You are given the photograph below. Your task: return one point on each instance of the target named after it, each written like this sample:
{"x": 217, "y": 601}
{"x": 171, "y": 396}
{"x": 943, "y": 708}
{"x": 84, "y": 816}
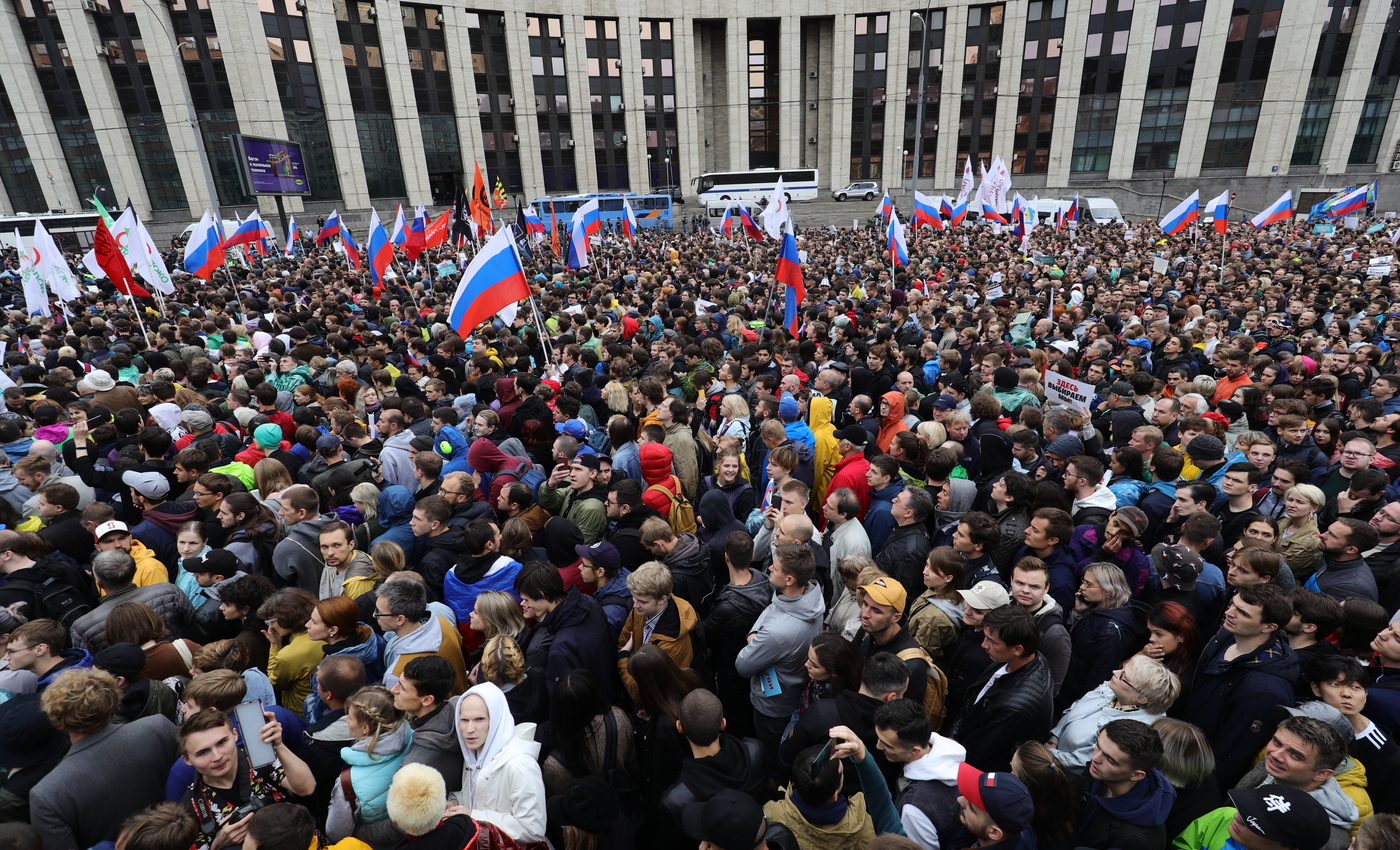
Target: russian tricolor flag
{"x": 330, "y": 229}
{"x": 989, "y": 213}
{"x": 750, "y": 227}
{"x": 898, "y": 248}
{"x": 204, "y": 252}
{"x": 886, "y": 206}
{"x": 726, "y": 225}
{"x": 1280, "y": 210}
{"x": 493, "y": 285}
{"x": 789, "y": 274}
{"x": 1352, "y": 202}
{"x": 352, "y": 251}
{"x": 629, "y": 222}
{"x": 1072, "y": 214}
{"x": 1220, "y": 211}
{"x": 250, "y": 230}
{"x": 533, "y": 222}
{"x": 926, "y": 212}
{"x": 945, "y": 206}
{"x": 293, "y": 236}
{"x": 400, "y": 233}
{"x": 959, "y": 211}
{"x": 586, "y": 223}
{"x": 1186, "y": 212}
{"x": 381, "y": 249}
{"x": 416, "y": 239}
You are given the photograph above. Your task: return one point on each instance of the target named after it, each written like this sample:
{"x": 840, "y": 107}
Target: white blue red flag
{"x": 1278, "y": 211}
{"x": 380, "y": 248}
{"x": 1185, "y": 212}
{"x": 330, "y": 229}
{"x": 204, "y": 252}
{"x": 493, "y": 285}
{"x": 789, "y": 274}
{"x": 898, "y": 248}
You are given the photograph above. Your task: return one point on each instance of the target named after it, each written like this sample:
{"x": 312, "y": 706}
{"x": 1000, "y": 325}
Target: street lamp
{"x": 919, "y": 110}
{"x": 198, "y": 136}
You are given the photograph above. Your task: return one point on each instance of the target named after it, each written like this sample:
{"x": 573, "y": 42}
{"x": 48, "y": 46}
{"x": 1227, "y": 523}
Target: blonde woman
{"x": 1142, "y": 689}
{"x": 503, "y": 665}
{"x": 932, "y": 433}
{"x": 497, "y": 614}
{"x": 365, "y": 497}
{"x": 736, "y": 417}
{"x": 1297, "y": 530}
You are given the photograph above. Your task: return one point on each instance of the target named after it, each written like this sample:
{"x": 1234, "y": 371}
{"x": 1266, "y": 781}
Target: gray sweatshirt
{"x": 774, "y": 660}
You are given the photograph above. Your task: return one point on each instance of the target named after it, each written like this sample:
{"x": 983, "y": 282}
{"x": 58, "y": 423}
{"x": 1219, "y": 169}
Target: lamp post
{"x": 199, "y": 136}
{"x": 919, "y": 110}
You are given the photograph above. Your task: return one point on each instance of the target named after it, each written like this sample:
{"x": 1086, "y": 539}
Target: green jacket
{"x": 1208, "y": 832}
{"x": 587, "y": 510}
{"x": 289, "y": 381}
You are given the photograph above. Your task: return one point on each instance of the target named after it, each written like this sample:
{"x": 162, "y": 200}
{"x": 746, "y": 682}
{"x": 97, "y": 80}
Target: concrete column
{"x": 522, "y": 83}
{"x": 464, "y": 106}
{"x": 692, "y": 129}
{"x": 580, "y": 114}
{"x": 790, "y": 83}
{"x": 32, "y": 116}
{"x": 407, "y": 128}
{"x": 340, "y": 115}
{"x": 1067, "y": 105}
{"x": 843, "y": 41}
{"x": 108, "y": 121}
{"x": 736, "y": 51}
{"x": 1125, "y": 132}
{"x": 254, "y": 89}
{"x": 945, "y": 174}
{"x": 896, "y": 85}
{"x": 1356, "y": 79}
{"x": 1300, "y": 27}
{"x": 1214, "y": 29}
{"x": 634, "y": 117}
{"x": 1013, "y": 48}
{"x": 168, "y": 71}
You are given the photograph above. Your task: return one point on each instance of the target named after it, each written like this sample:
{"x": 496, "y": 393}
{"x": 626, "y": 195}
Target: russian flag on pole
{"x": 493, "y": 284}
{"x": 330, "y": 229}
{"x": 417, "y": 238}
{"x": 1349, "y": 204}
{"x": 1186, "y": 212}
{"x": 251, "y": 230}
{"x": 726, "y": 225}
{"x": 959, "y": 211}
{"x": 926, "y": 212}
{"x": 293, "y": 236}
{"x": 1018, "y": 221}
{"x": 1280, "y": 210}
{"x": 750, "y": 226}
{"x": 204, "y": 251}
{"x": 400, "y": 232}
{"x": 629, "y": 222}
{"x": 895, "y": 244}
{"x": 989, "y": 213}
{"x": 586, "y": 222}
{"x": 945, "y": 206}
{"x": 1073, "y": 213}
{"x": 351, "y": 249}
{"x": 1220, "y": 211}
{"x": 789, "y": 274}
{"x": 381, "y": 249}
{"x": 886, "y": 206}
{"x": 534, "y": 224}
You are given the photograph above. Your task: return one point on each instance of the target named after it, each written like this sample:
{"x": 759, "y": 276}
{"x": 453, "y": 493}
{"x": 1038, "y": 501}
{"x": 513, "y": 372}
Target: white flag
{"x": 984, "y": 190}
{"x": 966, "y": 189}
{"x": 36, "y": 299}
{"x": 51, "y": 265}
{"x": 776, "y": 213}
{"x": 1001, "y": 181}
{"x": 151, "y": 267}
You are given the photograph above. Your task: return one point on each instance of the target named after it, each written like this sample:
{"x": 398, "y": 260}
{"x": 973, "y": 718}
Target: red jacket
{"x": 850, "y": 473}
{"x": 655, "y": 460}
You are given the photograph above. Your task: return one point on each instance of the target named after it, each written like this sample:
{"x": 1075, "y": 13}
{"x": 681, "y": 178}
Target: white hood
{"x": 1102, "y": 497}
{"x": 940, "y": 763}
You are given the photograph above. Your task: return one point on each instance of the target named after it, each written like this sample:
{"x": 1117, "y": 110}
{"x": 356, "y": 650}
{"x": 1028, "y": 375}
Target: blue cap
{"x": 576, "y": 428}
{"x": 1141, "y": 342}
{"x": 787, "y": 407}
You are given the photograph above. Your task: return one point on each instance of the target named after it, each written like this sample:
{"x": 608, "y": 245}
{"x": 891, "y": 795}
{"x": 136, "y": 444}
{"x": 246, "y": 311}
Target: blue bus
{"x": 650, "y": 210}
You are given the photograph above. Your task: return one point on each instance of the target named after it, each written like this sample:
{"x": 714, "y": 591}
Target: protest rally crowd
{"x": 1093, "y": 542}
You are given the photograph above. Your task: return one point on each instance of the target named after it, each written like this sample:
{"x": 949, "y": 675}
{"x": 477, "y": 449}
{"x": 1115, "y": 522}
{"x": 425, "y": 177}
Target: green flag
{"x": 106, "y": 216}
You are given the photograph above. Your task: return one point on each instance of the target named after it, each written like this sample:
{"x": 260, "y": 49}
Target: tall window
{"x": 17, "y": 170}
{"x": 491, "y": 69}
{"x": 1244, "y": 71}
{"x": 432, "y": 88}
{"x": 202, "y": 57}
{"x": 360, "y": 50}
{"x": 1328, "y": 65}
{"x": 868, "y": 96}
{"x": 1169, "y": 75}
{"x": 556, "y": 132}
{"x": 53, "y": 65}
{"x": 1105, "y": 56}
{"x": 763, "y": 94}
{"x": 933, "y": 86}
{"x": 1040, "y": 85}
{"x": 659, "y": 101}
{"x": 981, "y": 67}
{"x": 294, "y": 71}
{"x": 605, "y": 102}
{"x": 1375, "y": 111}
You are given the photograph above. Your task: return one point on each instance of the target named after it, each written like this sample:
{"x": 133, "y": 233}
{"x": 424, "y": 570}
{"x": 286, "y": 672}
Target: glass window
{"x": 1237, "y": 27}
{"x": 439, "y": 60}
{"x": 970, "y": 58}
{"x": 879, "y": 62}
{"x": 557, "y": 64}
{"x": 537, "y": 66}
{"x": 998, "y": 14}
{"x": 882, "y": 24}
{"x": 861, "y": 22}
{"x": 1268, "y": 27}
{"x": 1120, "y": 42}
{"x": 347, "y": 52}
{"x": 373, "y": 58}
{"x": 532, "y": 25}
{"x": 594, "y": 69}
{"x": 1093, "y": 44}
{"x": 610, "y": 28}
{"x": 554, "y": 29}
{"x": 664, "y": 30}
{"x": 667, "y": 68}
{"x": 1032, "y": 48}
{"x": 1035, "y": 10}
{"x": 1163, "y": 38}
{"x": 302, "y": 48}
{"x": 274, "y": 47}
{"x": 590, "y": 28}
{"x": 646, "y": 30}
{"x": 1052, "y": 47}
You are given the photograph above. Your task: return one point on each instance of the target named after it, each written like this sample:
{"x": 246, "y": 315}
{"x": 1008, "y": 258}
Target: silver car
{"x": 866, "y": 189}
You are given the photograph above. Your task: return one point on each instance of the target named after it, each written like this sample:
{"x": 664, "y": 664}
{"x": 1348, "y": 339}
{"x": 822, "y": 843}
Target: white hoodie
{"x": 939, "y": 764}
{"x": 501, "y": 782}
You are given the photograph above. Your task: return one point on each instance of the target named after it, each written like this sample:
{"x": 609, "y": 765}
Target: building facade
{"x": 394, "y": 101}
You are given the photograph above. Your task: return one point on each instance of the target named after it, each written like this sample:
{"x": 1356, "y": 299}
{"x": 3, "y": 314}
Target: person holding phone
{"x": 229, "y": 787}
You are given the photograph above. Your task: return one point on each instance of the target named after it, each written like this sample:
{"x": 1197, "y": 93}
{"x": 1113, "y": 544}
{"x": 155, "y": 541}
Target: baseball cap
{"x": 601, "y": 554}
{"x": 589, "y": 461}
{"x": 1133, "y": 518}
{"x": 886, "y": 591}
{"x": 855, "y": 435}
{"x": 152, "y": 485}
{"x": 1283, "y": 814}
{"x": 945, "y": 402}
{"x": 327, "y": 442}
{"x": 576, "y": 428}
{"x": 787, "y": 407}
{"x": 1122, "y": 389}
{"x": 1000, "y": 794}
{"x": 108, "y": 527}
{"x": 1177, "y": 565}
{"x": 729, "y": 820}
{"x": 986, "y": 595}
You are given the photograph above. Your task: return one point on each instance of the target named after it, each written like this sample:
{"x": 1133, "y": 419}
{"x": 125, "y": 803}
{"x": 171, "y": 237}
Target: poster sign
{"x": 995, "y": 291}
{"x": 1379, "y": 266}
{"x": 1068, "y": 392}
{"x": 447, "y": 267}
{"x": 1324, "y": 228}
{"x": 1375, "y": 228}
{"x": 1159, "y": 265}
{"x": 271, "y": 166}
{"x": 1352, "y": 222}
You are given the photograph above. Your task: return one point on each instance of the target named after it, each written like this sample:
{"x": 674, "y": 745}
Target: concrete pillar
{"x": 736, "y": 52}
{"x": 1214, "y": 29}
{"x": 896, "y": 85}
{"x": 1013, "y": 48}
{"x": 1067, "y": 105}
{"x": 33, "y": 117}
{"x": 946, "y": 177}
{"x": 168, "y": 72}
{"x": 1125, "y": 133}
{"x": 464, "y": 106}
{"x": 1356, "y": 79}
{"x": 790, "y": 83}
{"x": 1300, "y": 27}
{"x": 340, "y": 115}
{"x": 692, "y": 128}
{"x": 842, "y": 61}
{"x": 407, "y": 128}
{"x": 522, "y": 83}
{"x": 254, "y": 89}
{"x": 108, "y": 121}
{"x": 634, "y": 115}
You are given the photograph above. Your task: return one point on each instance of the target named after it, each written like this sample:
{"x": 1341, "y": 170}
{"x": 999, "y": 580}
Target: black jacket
{"x": 730, "y": 620}
{"x": 442, "y": 555}
{"x": 626, "y": 536}
{"x": 903, "y": 557}
{"x": 68, "y": 536}
{"x": 575, "y": 634}
{"x": 1100, "y": 641}
{"x": 1017, "y": 708}
{"x": 851, "y": 709}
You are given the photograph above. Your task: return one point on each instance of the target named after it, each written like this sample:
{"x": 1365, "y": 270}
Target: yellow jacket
{"x": 290, "y": 668}
{"x": 826, "y": 454}
{"x": 672, "y": 635}
{"x": 149, "y": 569}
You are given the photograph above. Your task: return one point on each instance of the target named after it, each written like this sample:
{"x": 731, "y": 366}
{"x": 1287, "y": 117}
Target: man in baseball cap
{"x": 1271, "y": 817}
{"x": 729, "y": 820}
{"x": 995, "y": 807}
{"x": 882, "y": 604}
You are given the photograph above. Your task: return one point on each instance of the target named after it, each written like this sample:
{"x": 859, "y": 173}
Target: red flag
{"x": 109, "y": 257}
{"x": 481, "y": 204}
{"x": 554, "y": 227}
{"x": 437, "y": 229}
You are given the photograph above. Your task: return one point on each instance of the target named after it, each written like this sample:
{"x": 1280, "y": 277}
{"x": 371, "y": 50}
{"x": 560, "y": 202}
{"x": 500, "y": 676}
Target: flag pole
{"x": 544, "y": 331}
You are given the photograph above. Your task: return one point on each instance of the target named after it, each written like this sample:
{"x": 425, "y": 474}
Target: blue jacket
{"x": 1308, "y": 452}
{"x": 1100, "y": 642}
{"x": 879, "y": 522}
{"x": 371, "y": 775}
{"x": 1157, "y": 502}
{"x": 371, "y": 654}
{"x": 575, "y": 634}
{"x": 452, "y": 446}
{"x": 801, "y": 432}
{"x": 615, "y": 598}
{"x": 461, "y": 596}
{"x": 395, "y": 511}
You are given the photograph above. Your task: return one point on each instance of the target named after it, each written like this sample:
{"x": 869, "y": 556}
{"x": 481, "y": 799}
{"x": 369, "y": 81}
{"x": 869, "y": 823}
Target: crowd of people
{"x": 294, "y": 563}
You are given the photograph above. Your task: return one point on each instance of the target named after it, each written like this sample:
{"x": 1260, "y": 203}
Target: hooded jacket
{"x": 1130, "y": 558}
{"x": 436, "y": 636}
{"x": 928, "y": 794}
{"x": 779, "y": 650}
{"x": 1100, "y": 641}
{"x": 879, "y": 522}
{"x": 395, "y": 512}
{"x": 825, "y": 454}
{"x": 684, "y": 456}
{"x": 893, "y": 422}
{"x": 435, "y": 743}
{"x": 394, "y": 463}
{"x": 717, "y": 519}
{"x": 1095, "y": 507}
{"x": 532, "y": 407}
{"x": 452, "y": 447}
{"x": 691, "y": 573}
{"x": 370, "y": 651}
{"x": 1134, "y": 821}
{"x": 1234, "y": 701}
{"x": 672, "y": 634}
{"x": 575, "y": 634}
{"x": 501, "y": 782}
{"x": 587, "y": 509}
{"x": 160, "y": 524}
{"x": 626, "y": 534}
{"x": 357, "y": 579}
{"x": 1343, "y": 797}
{"x": 297, "y": 557}
{"x": 1077, "y": 732}
{"x": 485, "y": 457}
{"x": 735, "y": 767}
{"x": 440, "y": 556}
{"x": 506, "y": 401}
{"x": 370, "y": 776}
{"x": 657, "y": 472}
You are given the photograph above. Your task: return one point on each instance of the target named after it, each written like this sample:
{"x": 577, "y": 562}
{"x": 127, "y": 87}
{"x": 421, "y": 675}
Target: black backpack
{"x": 54, "y": 598}
{"x": 627, "y": 790}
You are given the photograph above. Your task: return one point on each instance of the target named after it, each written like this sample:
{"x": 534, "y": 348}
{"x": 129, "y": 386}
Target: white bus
{"x": 799, "y": 184}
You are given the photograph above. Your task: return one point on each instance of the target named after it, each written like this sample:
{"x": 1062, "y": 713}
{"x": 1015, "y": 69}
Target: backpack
{"x": 628, "y": 793}
{"x": 682, "y": 515}
{"x": 598, "y": 441}
{"x": 54, "y": 599}
{"x": 936, "y": 691}
{"x": 532, "y": 478}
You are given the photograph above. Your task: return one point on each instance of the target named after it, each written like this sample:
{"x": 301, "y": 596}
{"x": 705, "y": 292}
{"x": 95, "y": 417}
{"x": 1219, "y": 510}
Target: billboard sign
{"x": 271, "y": 166}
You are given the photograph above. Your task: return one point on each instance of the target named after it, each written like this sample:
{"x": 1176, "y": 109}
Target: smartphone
{"x": 250, "y": 720}
{"x": 823, "y": 758}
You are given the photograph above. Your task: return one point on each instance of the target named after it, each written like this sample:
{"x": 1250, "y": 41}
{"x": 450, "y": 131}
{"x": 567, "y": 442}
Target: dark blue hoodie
{"x": 1134, "y": 821}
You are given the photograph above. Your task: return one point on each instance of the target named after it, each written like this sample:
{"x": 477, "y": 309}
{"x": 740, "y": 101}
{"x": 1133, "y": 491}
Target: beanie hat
{"x": 417, "y": 799}
{"x": 1004, "y": 378}
{"x": 268, "y": 435}
{"x": 1205, "y": 447}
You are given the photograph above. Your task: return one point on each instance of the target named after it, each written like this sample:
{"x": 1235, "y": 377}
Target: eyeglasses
{"x": 12, "y": 649}
{"x": 1357, "y": 454}
{"x": 199, "y": 495}
{"x": 1123, "y": 677}
{"x": 377, "y": 615}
